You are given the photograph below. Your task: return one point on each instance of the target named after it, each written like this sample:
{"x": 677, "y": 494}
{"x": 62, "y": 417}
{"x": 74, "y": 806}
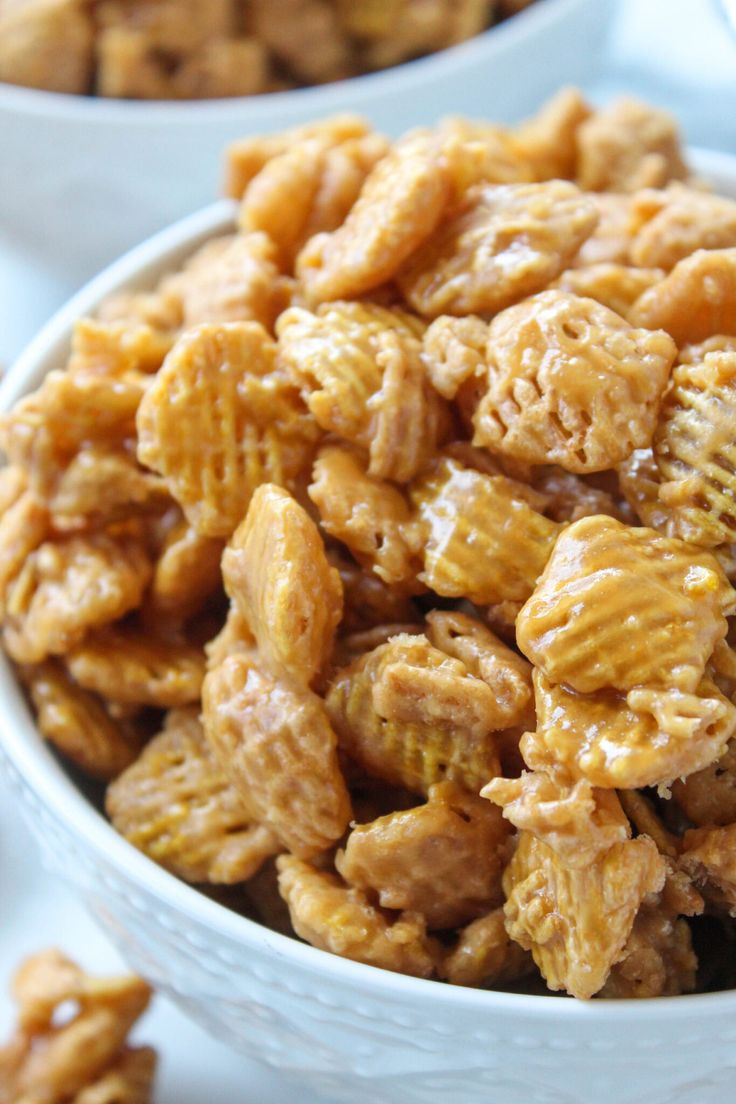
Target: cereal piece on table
{"x": 695, "y": 301}
{"x": 368, "y": 601}
{"x": 647, "y": 737}
{"x": 127, "y": 664}
{"x": 275, "y": 743}
{"x": 83, "y": 1056}
{"x": 628, "y": 146}
{"x": 23, "y": 526}
{"x": 695, "y": 451}
{"x": 234, "y": 638}
{"x": 303, "y": 35}
{"x": 576, "y": 821}
{"x": 484, "y": 955}
{"x": 576, "y": 920}
{"x": 369, "y": 516}
{"x": 482, "y": 541}
{"x": 103, "y": 485}
{"x": 231, "y": 279}
{"x": 47, "y": 44}
{"x": 613, "y": 285}
{"x": 621, "y": 607}
{"x": 709, "y": 857}
{"x": 67, "y": 587}
{"x": 485, "y": 656}
{"x": 547, "y": 140}
{"x": 504, "y": 242}
{"x": 77, "y": 722}
{"x": 277, "y": 573}
{"x": 677, "y": 222}
{"x": 335, "y": 918}
{"x": 443, "y": 859}
{"x": 219, "y": 420}
{"x": 454, "y": 352}
{"x": 610, "y": 242}
{"x": 708, "y": 797}
{"x": 186, "y": 573}
{"x": 176, "y": 804}
{"x": 440, "y": 728}
{"x": 658, "y": 958}
{"x": 570, "y": 497}
{"x": 569, "y": 382}
{"x": 639, "y": 479}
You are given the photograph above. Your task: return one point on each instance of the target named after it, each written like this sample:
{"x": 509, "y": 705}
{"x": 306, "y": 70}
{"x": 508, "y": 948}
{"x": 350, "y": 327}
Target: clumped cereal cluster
{"x": 203, "y": 49}
{"x": 380, "y": 557}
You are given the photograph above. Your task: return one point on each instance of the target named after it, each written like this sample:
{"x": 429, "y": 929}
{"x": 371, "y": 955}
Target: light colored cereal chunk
{"x": 23, "y": 526}
{"x": 645, "y": 738}
{"x": 616, "y": 286}
{"x": 696, "y": 452}
{"x": 505, "y": 242}
{"x": 176, "y": 804}
{"x": 13, "y": 482}
{"x": 570, "y": 383}
{"x": 621, "y": 607}
{"x": 305, "y": 36}
{"x": 399, "y": 206}
{"x": 709, "y": 857}
{"x": 443, "y": 859}
{"x": 275, "y": 743}
{"x": 47, "y": 44}
{"x": 218, "y": 421}
{"x": 67, "y": 587}
{"x": 186, "y": 573}
{"x": 485, "y": 656}
{"x": 576, "y": 821}
{"x": 547, "y": 141}
{"x": 231, "y": 279}
{"x": 237, "y": 66}
{"x": 576, "y": 920}
{"x": 695, "y": 301}
{"x": 329, "y": 915}
{"x": 708, "y": 797}
{"x": 352, "y": 645}
{"x": 485, "y": 955}
{"x": 117, "y": 351}
{"x": 159, "y": 310}
{"x": 128, "y": 665}
{"x": 658, "y": 959}
{"x": 81, "y": 1056}
{"x": 439, "y": 728}
{"x": 627, "y": 146}
{"x": 368, "y": 515}
{"x": 610, "y": 242}
{"x": 679, "y": 221}
{"x": 276, "y": 571}
{"x": 454, "y": 351}
{"x": 696, "y": 353}
{"x": 77, "y": 722}
{"x": 101, "y": 486}
{"x": 176, "y": 25}
{"x": 639, "y": 479}
{"x": 481, "y": 539}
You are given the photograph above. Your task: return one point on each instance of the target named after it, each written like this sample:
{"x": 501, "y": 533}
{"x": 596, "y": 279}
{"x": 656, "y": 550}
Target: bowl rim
{"x": 44, "y": 775}
{"x": 357, "y": 92}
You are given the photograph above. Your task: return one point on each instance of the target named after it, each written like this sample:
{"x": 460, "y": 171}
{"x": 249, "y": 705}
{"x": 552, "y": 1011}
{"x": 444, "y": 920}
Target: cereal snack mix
{"x": 376, "y": 566}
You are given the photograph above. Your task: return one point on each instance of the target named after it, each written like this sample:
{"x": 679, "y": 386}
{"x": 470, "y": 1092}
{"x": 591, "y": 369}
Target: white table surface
{"x": 675, "y": 52}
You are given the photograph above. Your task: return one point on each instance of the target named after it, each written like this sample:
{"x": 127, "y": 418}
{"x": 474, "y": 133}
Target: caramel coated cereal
{"x": 708, "y": 797}
{"x": 709, "y": 856}
{"x": 485, "y": 954}
{"x": 697, "y": 300}
{"x": 613, "y": 285}
{"x": 627, "y": 146}
{"x": 679, "y": 221}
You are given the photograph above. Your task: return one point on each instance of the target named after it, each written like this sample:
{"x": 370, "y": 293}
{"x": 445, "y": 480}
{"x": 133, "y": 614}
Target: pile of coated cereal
{"x": 199, "y": 49}
{"x": 382, "y": 554}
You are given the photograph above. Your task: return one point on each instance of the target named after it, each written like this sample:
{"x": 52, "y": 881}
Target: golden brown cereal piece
{"x": 696, "y": 453}
{"x": 47, "y": 44}
{"x": 646, "y": 738}
{"x": 487, "y": 152}
{"x": 709, "y": 857}
{"x": 233, "y": 638}
{"x": 127, "y": 664}
{"x": 77, "y": 722}
{"x": 159, "y": 310}
{"x": 639, "y": 479}
{"x": 611, "y": 240}
{"x": 305, "y": 36}
{"x": 569, "y": 382}
{"x": 368, "y": 515}
{"x": 23, "y": 526}
{"x": 275, "y": 743}
{"x": 679, "y": 221}
{"x": 117, "y": 350}
{"x": 277, "y": 574}
{"x": 547, "y": 141}
{"x": 218, "y": 421}
{"x": 67, "y": 587}
{"x": 368, "y": 601}
{"x": 354, "y": 645}
{"x": 335, "y": 918}
{"x": 576, "y": 821}
{"x": 571, "y": 498}
{"x": 81, "y": 1057}
{"x": 708, "y": 797}
{"x": 576, "y": 920}
{"x": 485, "y": 955}
{"x": 616, "y": 286}
{"x": 449, "y": 735}
{"x": 642, "y": 815}
{"x": 177, "y": 805}
{"x": 231, "y": 279}
{"x": 443, "y": 859}
{"x": 481, "y": 539}
{"x": 695, "y": 301}
{"x": 696, "y": 354}
{"x": 13, "y": 482}
{"x": 485, "y": 656}
{"x": 399, "y": 206}
{"x": 454, "y": 352}
{"x": 627, "y": 146}
{"x": 175, "y": 25}
{"x": 187, "y": 572}
{"x": 621, "y": 607}
{"x": 503, "y": 243}
{"x": 658, "y": 959}
{"x": 103, "y": 485}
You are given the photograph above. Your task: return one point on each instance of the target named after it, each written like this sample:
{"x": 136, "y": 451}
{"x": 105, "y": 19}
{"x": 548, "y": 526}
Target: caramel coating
{"x": 613, "y": 285}
{"x": 23, "y": 526}
{"x": 679, "y": 221}
{"x": 485, "y": 955}
{"x": 708, "y": 797}
{"x": 658, "y": 959}
{"x": 186, "y": 573}
{"x": 102, "y": 486}
{"x": 627, "y": 146}
{"x": 709, "y": 856}
{"x": 695, "y": 301}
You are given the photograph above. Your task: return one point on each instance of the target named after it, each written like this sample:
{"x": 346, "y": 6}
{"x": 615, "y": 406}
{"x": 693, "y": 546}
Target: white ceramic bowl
{"x": 354, "y": 1033}
{"x": 85, "y": 179}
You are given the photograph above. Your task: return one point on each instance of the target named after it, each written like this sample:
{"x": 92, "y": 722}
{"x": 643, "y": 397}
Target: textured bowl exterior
{"x": 350, "y": 1032}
